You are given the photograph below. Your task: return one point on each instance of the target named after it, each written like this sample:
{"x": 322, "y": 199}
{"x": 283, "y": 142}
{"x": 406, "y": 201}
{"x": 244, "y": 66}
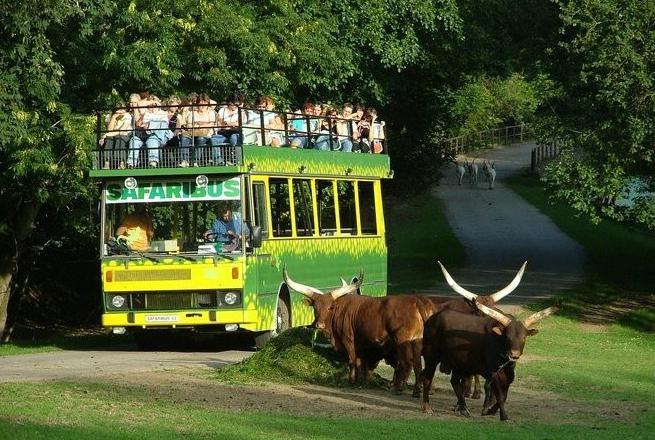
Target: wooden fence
{"x": 542, "y": 153}
{"x": 496, "y": 136}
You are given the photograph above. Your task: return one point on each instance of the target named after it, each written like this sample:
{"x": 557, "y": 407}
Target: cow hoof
{"x": 476, "y": 395}
{"x": 464, "y": 412}
{"x": 416, "y": 393}
{"x": 397, "y": 391}
{"x": 427, "y": 409}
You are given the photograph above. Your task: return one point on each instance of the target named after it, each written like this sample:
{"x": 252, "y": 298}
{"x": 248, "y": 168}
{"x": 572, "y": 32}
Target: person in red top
{"x": 137, "y": 228}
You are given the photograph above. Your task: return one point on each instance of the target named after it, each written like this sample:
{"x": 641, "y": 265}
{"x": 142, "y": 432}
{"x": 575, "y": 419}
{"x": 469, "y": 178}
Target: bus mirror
{"x": 256, "y": 236}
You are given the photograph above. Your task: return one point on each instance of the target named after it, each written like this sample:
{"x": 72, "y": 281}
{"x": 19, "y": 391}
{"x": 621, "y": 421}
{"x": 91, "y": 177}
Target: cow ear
{"x": 308, "y": 302}
{"x": 532, "y": 331}
{"x": 497, "y": 330}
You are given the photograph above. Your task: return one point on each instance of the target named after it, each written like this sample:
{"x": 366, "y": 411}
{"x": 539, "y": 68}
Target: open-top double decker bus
{"x": 320, "y": 213}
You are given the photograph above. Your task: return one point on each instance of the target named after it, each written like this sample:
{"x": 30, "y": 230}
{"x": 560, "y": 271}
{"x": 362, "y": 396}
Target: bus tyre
{"x": 282, "y": 323}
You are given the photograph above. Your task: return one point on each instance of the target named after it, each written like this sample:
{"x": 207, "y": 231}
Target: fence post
{"x": 533, "y": 160}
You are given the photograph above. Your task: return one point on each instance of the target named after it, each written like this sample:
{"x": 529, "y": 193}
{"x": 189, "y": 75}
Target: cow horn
{"x": 510, "y": 287}
{"x": 343, "y": 283}
{"x": 301, "y": 288}
{"x": 347, "y": 289}
{"x": 495, "y": 314}
{"x": 536, "y": 317}
{"x": 456, "y": 287}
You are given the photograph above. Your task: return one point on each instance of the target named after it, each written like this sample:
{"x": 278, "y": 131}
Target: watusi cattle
{"x": 467, "y": 345}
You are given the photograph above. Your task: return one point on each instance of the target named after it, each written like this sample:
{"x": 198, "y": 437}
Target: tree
{"x": 42, "y": 146}
{"x": 602, "y": 107}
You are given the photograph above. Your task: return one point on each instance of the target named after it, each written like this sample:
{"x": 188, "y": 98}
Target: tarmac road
{"x": 74, "y": 364}
{"x": 499, "y": 230}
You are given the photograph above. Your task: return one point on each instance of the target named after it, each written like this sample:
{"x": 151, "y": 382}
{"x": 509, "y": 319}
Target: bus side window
{"x": 304, "y": 207}
{"x": 327, "y": 220}
{"x": 367, "y": 208}
{"x": 280, "y": 207}
{"x": 259, "y": 202}
{"x": 347, "y": 213}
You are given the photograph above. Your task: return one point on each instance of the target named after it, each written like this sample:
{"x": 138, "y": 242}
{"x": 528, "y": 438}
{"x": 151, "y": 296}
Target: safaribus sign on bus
{"x": 319, "y": 213}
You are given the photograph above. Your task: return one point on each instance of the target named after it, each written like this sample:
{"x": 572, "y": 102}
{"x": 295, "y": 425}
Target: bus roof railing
{"x": 171, "y": 136}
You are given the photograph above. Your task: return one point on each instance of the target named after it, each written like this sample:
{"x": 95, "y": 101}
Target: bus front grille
{"x": 153, "y": 275}
{"x": 173, "y": 301}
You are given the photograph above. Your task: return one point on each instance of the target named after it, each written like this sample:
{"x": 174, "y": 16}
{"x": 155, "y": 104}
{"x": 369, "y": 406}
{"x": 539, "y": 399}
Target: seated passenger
{"x": 228, "y": 119}
{"x": 299, "y": 129}
{"x": 136, "y": 229}
{"x": 197, "y": 130}
{"x": 272, "y": 123}
{"x": 369, "y": 133}
{"x": 328, "y": 138}
{"x": 114, "y": 140}
{"x": 346, "y": 128}
{"x": 156, "y": 123}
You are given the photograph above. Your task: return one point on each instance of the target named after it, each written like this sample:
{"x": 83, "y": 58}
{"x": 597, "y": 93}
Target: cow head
{"x": 323, "y": 304}
{"x": 488, "y": 300}
{"x": 514, "y": 332}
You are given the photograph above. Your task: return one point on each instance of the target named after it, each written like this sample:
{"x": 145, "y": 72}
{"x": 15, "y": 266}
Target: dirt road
{"x": 70, "y": 364}
{"x": 499, "y": 230}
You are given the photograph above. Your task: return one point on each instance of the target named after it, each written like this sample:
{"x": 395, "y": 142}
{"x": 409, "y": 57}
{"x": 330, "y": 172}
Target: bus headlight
{"x": 118, "y": 301}
{"x": 231, "y": 298}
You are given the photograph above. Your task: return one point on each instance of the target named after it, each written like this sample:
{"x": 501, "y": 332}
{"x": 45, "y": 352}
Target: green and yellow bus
{"x": 320, "y": 213}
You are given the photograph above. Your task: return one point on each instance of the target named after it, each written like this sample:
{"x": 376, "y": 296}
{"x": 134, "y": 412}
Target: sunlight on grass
{"x": 417, "y": 235}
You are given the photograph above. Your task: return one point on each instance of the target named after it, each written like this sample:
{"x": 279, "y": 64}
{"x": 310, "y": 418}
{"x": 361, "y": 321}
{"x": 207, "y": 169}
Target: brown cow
{"x": 367, "y": 328}
{"x": 467, "y": 344}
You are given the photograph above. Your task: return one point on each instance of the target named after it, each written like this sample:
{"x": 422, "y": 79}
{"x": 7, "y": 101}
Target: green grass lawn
{"x": 417, "y": 235}
{"x": 607, "y": 368}
{"x": 79, "y": 340}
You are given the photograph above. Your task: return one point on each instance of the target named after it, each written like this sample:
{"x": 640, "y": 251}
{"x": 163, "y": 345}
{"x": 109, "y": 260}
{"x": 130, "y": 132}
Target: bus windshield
{"x": 156, "y": 219}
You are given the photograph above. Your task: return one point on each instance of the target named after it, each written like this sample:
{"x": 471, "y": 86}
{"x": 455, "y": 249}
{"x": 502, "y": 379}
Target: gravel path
{"x": 499, "y": 230}
{"x": 69, "y": 364}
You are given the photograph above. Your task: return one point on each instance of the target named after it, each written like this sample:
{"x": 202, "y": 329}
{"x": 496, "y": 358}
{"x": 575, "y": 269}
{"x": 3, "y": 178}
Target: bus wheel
{"x": 282, "y": 323}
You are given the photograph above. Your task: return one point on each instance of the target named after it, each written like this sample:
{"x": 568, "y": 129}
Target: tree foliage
{"x": 603, "y": 104}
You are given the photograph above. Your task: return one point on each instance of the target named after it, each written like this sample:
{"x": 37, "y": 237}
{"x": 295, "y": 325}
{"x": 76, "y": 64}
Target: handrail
{"x": 510, "y": 134}
{"x": 253, "y": 126}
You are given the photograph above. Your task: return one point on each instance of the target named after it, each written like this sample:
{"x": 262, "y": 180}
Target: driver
{"x": 137, "y": 229}
{"x": 227, "y": 226}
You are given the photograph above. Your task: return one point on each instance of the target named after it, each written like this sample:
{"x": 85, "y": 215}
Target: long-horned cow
{"x": 369, "y": 328}
{"x": 466, "y": 345}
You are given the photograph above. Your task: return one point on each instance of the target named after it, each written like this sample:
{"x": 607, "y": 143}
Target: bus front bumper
{"x": 247, "y": 319}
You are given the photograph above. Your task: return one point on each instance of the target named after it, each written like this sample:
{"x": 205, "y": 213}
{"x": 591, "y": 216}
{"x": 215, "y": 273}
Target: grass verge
{"x": 619, "y": 254}
{"x": 75, "y": 340}
{"x": 417, "y": 234}
{"x": 290, "y": 359}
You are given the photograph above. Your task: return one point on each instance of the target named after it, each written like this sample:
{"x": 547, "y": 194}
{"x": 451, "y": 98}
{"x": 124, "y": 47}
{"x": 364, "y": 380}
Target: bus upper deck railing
{"x": 169, "y": 136}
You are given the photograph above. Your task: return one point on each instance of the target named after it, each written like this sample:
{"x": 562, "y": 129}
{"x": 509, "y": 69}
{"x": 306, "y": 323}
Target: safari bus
{"x": 317, "y": 212}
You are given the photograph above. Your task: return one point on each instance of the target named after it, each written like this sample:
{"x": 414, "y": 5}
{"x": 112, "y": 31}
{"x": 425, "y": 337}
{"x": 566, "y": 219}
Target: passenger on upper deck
{"x": 114, "y": 140}
{"x": 197, "y": 126}
{"x": 329, "y": 132}
{"x": 228, "y": 118}
{"x": 299, "y": 127}
{"x": 274, "y": 127}
{"x": 346, "y": 128}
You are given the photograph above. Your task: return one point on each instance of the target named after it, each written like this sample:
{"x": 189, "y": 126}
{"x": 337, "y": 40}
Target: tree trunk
{"x": 21, "y": 222}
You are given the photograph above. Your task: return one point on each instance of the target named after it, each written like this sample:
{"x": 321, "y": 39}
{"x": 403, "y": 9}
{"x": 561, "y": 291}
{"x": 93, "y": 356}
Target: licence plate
{"x": 161, "y": 318}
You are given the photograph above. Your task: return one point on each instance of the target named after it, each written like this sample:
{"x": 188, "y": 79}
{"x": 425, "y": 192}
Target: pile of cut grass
{"x": 291, "y": 359}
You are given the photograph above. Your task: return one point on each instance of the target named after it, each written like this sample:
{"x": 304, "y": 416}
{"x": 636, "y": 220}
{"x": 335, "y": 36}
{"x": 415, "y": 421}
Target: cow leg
{"x": 458, "y": 386}
{"x": 489, "y": 400}
{"x": 467, "y": 386}
{"x": 352, "y": 362}
{"x": 403, "y": 354}
{"x": 498, "y": 385}
{"x": 426, "y": 377}
{"x": 476, "y": 390}
{"x": 416, "y": 358}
